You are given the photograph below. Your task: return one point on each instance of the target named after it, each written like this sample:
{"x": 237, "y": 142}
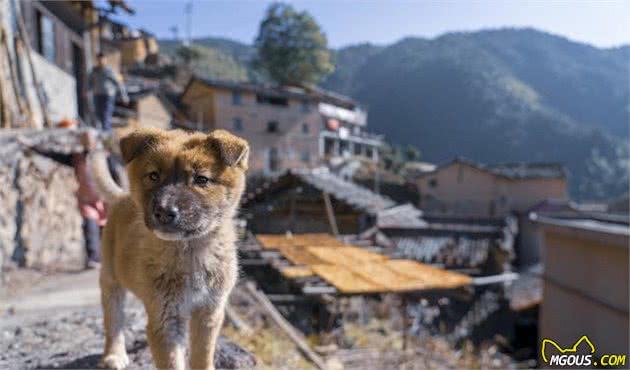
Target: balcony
{"x": 356, "y": 116}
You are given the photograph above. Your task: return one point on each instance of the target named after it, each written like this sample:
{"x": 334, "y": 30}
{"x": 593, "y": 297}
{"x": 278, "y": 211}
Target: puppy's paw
{"x": 115, "y": 361}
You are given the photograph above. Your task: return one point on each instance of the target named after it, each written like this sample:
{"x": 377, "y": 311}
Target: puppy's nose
{"x": 166, "y": 215}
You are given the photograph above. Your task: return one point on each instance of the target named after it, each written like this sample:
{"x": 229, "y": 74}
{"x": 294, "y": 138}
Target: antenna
{"x": 188, "y": 10}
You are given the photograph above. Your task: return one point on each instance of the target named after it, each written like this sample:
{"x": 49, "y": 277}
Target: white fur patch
{"x": 168, "y": 236}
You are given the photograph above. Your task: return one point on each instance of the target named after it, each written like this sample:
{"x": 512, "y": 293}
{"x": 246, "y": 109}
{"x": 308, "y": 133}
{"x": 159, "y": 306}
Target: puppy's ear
{"x": 233, "y": 150}
{"x": 136, "y": 143}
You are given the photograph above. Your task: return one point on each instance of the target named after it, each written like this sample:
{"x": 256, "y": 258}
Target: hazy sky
{"x": 598, "y": 22}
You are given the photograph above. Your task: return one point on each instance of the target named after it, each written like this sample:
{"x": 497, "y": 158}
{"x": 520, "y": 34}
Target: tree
{"x": 188, "y": 54}
{"x": 412, "y": 153}
{"x": 291, "y": 47}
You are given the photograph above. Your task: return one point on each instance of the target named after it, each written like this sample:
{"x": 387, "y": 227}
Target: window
{"x": 306, "y": 107}
{"x": 306, "y": 156}
{"x": 272, "y": 127}
{"x": 237, "y": 125}
{"x": 274, "y": 160}
{"x": 357, "y": 149}
{"x": 236, "y": 98}
{"x": 433, "y": 183}
{"x": 45, "y": 36}
{"x": 305, "y": 128}
{"x": 273, "y": 100}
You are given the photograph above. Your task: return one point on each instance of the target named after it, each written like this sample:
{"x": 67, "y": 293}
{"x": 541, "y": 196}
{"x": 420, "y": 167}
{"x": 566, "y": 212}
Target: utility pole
{"x": 188, "y": 10}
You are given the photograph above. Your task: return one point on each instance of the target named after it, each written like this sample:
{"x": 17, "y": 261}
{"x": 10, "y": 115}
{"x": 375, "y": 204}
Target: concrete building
{"x": 585, "y": 283}
{"x": 287, "y": 127}
{"x": 463, "y": 187}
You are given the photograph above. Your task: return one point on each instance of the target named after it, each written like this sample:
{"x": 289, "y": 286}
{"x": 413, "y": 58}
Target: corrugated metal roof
{"x": 345, "y": 191}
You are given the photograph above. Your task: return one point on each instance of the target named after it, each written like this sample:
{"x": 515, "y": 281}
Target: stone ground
{"x": 53, "y": 321}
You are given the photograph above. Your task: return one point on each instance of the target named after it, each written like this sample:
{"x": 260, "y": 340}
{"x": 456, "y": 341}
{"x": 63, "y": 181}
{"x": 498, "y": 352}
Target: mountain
{"x": 495, "y": 96}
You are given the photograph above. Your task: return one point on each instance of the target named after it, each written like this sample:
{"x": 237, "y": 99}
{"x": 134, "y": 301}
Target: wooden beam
{"x": 331, "y": 214}
{"x": 24, "y": 37}
{"x": 290, "y": 331}
{"x": 405, "y": 318}
{"x": 494, "y": 279}
{"x": 286, "y": 298}
{"x": 252, "y": 262}
{"x": 319, "y": 290}
{"x": 236, "y": 321}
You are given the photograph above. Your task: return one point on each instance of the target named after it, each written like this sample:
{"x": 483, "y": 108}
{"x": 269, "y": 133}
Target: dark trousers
{"x": 92, "y": 235}
{"x": 104, "y": 109}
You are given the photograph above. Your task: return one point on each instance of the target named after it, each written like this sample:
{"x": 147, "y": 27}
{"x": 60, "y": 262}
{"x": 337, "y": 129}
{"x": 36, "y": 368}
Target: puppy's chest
{"x": 203, "y": 287}
{"x": 192, "y": 287}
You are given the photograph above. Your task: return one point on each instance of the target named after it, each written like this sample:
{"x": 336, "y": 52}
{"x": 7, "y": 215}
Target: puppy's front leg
{"x": 113, "y": 300}
{"x": 205, "y": 326}
{"x": 166, "y": 333}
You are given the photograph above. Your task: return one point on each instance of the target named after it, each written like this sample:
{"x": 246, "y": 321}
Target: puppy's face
{"x": 185, "y": 184}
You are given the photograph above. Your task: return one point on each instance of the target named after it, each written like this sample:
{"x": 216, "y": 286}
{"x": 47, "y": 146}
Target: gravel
{"x": 73, "y": 339}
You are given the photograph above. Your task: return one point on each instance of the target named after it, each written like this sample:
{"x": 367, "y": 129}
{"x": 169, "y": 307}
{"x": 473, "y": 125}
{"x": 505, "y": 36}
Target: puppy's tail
{"x": 105, "y": 184}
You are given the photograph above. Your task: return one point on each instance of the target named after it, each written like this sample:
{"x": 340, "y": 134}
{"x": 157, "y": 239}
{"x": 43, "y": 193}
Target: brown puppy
{"x": 171, "y": 241}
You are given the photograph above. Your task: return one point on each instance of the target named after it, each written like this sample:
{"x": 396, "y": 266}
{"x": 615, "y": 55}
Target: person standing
{"x": 105, "y": 85}
{"x": 92, "y": 208}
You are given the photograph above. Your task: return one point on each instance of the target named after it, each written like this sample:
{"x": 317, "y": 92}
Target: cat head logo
{"x": 568, "y": 356}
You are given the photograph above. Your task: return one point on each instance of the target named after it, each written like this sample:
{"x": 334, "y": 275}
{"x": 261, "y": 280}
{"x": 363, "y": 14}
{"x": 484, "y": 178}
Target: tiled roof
{"x": 524, "y": 170}
{"x": 513, "y": 171}
{"x": 283, "y": 91}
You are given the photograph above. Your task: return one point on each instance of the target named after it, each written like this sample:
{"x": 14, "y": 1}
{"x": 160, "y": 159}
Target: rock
{"x": 231, "y": 356}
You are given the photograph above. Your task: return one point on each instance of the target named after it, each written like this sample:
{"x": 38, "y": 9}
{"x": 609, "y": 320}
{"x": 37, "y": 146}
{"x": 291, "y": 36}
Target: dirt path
{"x": 56, "y": 323}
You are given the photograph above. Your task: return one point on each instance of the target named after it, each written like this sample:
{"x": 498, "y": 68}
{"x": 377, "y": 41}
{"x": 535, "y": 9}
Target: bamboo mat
{"x": 352, "y": 269}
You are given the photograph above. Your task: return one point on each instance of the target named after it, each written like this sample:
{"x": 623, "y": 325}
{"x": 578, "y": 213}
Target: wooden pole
{"x": 292, "y": 211}
{"x": 17, "y": 44}
{"x": 24, "y": 112}
{"x": 236, "y": 321}
{"x": 331, "y": 213}
{"x": 405, "y": 319}
{"x": 291, "y": 332}
{"x": 5, "y": 115}
{"x": 27, "y": 45}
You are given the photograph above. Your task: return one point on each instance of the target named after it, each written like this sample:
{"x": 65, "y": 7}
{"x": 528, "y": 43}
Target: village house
{"x": 585, "y": 277}
{"x": 287, "y": 127}
{"x": 316, "y": 200}
{"x": 462, "y": 187}
{"x": 43, "y": 63}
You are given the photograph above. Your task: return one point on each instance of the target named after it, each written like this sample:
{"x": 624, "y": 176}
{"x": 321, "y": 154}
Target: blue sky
{"x": 601, "y": 23}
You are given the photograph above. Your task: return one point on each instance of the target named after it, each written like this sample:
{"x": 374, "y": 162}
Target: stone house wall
{"x": 40, "y": 225}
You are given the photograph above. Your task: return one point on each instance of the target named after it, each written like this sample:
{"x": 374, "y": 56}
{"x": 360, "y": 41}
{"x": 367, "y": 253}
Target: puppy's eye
{"x": 201, "y": 180}
{"x": 154, "y": 176}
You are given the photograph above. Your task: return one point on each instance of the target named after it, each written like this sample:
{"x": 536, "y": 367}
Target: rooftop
{"x": 320, "y": 178}
{"x": 512, "y": 171}
{"x": 598, "y": 231}
{"x": 297, "y": 92}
